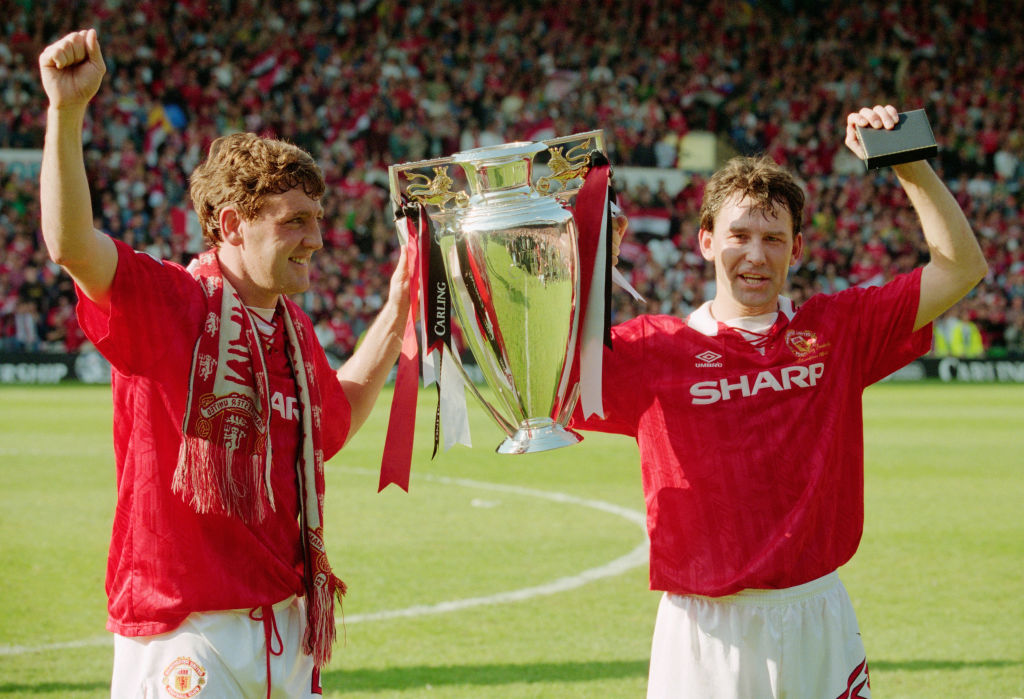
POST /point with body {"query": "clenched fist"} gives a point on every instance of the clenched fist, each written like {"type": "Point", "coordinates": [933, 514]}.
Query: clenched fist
{"type": "Point", "coordinates": [72, 69]}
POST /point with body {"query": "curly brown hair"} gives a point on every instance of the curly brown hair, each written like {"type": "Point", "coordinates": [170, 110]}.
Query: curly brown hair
{"type": "Point", "coordinates": [242, 169]}
{"type": "Point", "coordinates": [767, 184]}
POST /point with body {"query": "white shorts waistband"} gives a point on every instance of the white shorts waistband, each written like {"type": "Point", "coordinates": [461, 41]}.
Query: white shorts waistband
{"type": "Point", "coordinates": [276, 606]}
{"type": "Point", "coordinates": [786, 595]}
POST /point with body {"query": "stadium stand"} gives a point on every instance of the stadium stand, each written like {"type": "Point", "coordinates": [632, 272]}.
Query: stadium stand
{"type": "Point", "coordinates": [370, 83]}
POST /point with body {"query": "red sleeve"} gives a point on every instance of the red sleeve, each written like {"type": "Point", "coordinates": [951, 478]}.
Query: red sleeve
{"type": "Point", "coordinates": [622, 377]}
{"type": "Point", "coordinates": [155, 308]}
{"type": "Point", "coordinates": [884, 318]}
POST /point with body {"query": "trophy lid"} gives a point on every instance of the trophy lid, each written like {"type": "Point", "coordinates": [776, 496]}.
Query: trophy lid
{"type": "Point", "coordinates": [501, 171]}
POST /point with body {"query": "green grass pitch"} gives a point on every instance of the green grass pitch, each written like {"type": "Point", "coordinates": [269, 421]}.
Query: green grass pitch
{"type": "Point", "coordinates": [517, 576]}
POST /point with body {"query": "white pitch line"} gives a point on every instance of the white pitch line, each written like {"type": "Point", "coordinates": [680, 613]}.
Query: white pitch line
{"type": "Point", "coordinates": [633, 559]}
{"type": "Point", "coordinates": [107, 640]}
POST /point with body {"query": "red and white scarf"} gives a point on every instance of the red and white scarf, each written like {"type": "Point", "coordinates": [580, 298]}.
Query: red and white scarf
{"type": "Point", "coordinates": [226, 452]}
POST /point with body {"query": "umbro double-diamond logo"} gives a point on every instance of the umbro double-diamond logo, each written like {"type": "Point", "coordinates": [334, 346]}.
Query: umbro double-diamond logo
{"type": "Point", "coordinates": [708, 359]}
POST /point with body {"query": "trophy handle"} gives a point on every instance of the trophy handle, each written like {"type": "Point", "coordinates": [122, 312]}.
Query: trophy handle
{"type": "Point", "coordinates": [564, 168]}
{"type": "Point", "coordinates": [437, 191]}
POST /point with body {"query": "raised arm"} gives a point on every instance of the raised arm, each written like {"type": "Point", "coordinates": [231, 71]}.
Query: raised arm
{"type": "Point", "coordinates": [72, 70]}
{"type": "Point", "coordinates": [362, 377]}
{"type": "Point", "coordinates": [956, 262]}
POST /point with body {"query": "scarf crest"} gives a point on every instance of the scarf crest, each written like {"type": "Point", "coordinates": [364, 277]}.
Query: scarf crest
{"type": "Point", "coordinates": [226, 454]}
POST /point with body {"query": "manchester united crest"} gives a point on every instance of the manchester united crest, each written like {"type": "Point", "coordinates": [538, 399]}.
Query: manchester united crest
{"type": "Point", "coordinates": [184, 678]}
{"type": "Point", "coordinates": [802, 342]}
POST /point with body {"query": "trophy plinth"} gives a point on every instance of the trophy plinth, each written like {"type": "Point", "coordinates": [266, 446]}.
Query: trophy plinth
{"type": "Point", "coordinates": [538, 434]}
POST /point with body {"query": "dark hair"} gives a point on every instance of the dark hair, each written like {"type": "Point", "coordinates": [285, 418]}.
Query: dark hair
{"type": "Point", "coordinates": [762, 180]}
{"type": "Point", "coordinates": [242, 169]}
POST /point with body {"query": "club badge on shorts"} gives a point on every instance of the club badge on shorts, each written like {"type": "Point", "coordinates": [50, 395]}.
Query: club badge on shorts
{"type": "Point", "coordinates": [184, 678]}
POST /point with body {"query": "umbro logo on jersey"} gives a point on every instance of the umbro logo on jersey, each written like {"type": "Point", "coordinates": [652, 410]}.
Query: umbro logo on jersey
{"type": "Point", "coordinates": [708, 360]}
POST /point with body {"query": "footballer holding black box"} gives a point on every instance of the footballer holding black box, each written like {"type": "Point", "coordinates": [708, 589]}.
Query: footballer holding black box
{"type": "Point", "coordinates": [748, 418]}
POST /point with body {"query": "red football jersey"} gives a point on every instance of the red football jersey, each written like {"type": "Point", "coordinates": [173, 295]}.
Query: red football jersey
{"type": "Point", "coordinates": [165, 560]}
{"type": "Point", "coordinates": [753, 463]}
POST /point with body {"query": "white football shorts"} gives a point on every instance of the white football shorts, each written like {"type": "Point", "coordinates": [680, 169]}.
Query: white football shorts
{"type": "Point", "coordinates": [219, 655]}
{"type": "Point", "coordinates": [797, 643]}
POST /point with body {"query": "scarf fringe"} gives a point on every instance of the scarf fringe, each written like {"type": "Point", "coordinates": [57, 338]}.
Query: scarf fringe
{"type": "Point", "coordinates": [321, 630]}
{"type": "Point", "coordinates": [206, 480]}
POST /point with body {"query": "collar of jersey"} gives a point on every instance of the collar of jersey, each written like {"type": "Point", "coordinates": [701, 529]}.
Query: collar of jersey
{"type": "Point", "coordinates": [703, 322]}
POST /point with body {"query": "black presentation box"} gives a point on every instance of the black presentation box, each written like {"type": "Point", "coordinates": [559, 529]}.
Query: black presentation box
{"type": "Point", "coordinates": [911, 139]}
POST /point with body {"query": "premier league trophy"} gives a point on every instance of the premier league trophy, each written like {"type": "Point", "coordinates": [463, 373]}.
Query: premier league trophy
{"type": "Point", "coordinates": [509, 248]}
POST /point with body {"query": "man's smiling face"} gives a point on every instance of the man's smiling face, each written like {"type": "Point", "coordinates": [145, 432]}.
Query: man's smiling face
{"type": "Point", "coordinates": [276, 247]}
{"type": "Point", "coordinates": [753, 250]}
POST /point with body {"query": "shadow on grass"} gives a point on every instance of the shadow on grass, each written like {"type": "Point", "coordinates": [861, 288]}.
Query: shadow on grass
{"type": "Point", "coordinates": [919, 665]}
{"type": "Point", "coordinates": [481, 675]}
{"type": "Point", "coordinates": [59, 688]}
{"type": "Point", "coordinates": [499, 674]}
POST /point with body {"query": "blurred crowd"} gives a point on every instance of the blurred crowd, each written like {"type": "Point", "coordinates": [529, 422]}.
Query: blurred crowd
{"type": "Point", "coordinates": [366, 84]}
